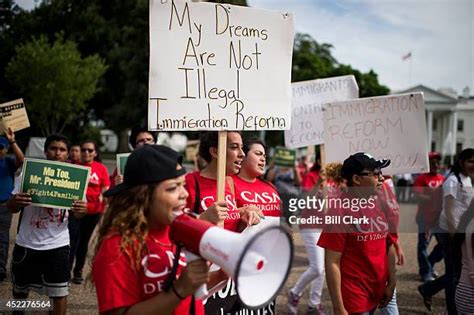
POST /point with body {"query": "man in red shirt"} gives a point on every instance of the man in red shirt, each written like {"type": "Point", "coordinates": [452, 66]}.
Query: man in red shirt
{"type": "Point", "coordinates": [425, 189]}
{"type": "Point", "coordinates": [359, 256]}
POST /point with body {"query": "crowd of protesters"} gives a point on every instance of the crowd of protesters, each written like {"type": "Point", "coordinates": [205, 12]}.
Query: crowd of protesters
{"type": "Point", "coordinates": [132, 213]}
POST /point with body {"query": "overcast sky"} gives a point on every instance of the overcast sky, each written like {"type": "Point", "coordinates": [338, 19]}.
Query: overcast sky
{"type": "Point", "coordinates": [375, 34]}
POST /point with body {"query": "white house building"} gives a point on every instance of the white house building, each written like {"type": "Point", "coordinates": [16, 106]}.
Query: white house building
{"type": "Point", "coordinates": [449, 119]}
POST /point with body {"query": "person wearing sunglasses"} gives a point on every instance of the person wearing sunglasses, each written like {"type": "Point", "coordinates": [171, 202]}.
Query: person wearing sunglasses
{"type": "Point", "coordinates": [359, 255]}
{"type": "Point", "coordinates": [81, 230]}
{"type": "Point", "coordinates": [8, 167]}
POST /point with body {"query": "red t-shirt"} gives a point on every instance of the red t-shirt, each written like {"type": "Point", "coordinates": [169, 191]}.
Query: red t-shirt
{"type": "Point", "coordinates": [309, 180]}
{"type": "Point", "coordinates": [259, 193]}
{"type": "Point", "coordinates": [207, 195]}
{"type": "Point", "coordinates": [302, 169]}
{"type": "Point", "coordinates": [364, 260]}
{"type": "Point", "coordinates": [392, 210]}
{"type": "Point", "coordinates": [98, 179]}
{"type": "Point", "coordinates": [427, 183]}
{"type": "Point", "coordinates": [118, 284]}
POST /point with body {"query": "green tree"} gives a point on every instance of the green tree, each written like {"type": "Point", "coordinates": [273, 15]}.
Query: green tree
{"type": "Point", "coordinates": [312, 60]}
{"type": "Point", "coordinates": [55, 81]}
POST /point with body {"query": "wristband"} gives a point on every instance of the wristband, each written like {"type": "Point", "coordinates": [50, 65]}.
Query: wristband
{"type": "Point", "coordinates": [176, 292]}
{"type": "Point", "coordinates": [12, 142]}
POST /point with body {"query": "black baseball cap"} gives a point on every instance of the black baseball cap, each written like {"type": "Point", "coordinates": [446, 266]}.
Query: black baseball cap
{"type": "Point", "coordinates": [149, 164]}
{"type": "Point", "coordinates": [357, 162]}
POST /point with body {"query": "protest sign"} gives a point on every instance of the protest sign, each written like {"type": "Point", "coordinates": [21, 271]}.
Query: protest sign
{"type": "Point", "coordinates": [13, 115]}
{"type": "Point", "coordinates": [284, 157]}
{"type": "Point", "coordinates": [219, 67]}
{"type": "Point", "coordinates": [54, 184]}
{"type": "Point", "coordinates": [121, 161]}
{"type": "Point", "coordinates": [392, 127]}
{"type": "Point", "coordinates": [306, 112]}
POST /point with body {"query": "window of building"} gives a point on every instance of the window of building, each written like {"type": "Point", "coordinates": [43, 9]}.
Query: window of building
{"type": "Point", "coordinates": [433, 146]}
{"type": "Point", "coordinates": [435, 124]}
{"type": "Point", "coordinates": [460, 125]}
{"type": "Point", "coordinates": [458, 147]}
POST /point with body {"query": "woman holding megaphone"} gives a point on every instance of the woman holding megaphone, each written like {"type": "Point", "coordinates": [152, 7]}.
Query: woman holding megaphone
{"type": "Point", "coordinates": [136, 269]}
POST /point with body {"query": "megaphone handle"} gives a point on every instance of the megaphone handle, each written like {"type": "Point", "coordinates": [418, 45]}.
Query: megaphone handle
{"type": "Point", "coordinates": [201, 292]}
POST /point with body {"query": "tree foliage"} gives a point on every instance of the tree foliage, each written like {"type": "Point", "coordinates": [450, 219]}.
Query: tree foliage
{"type": "Point", "coordinates": [312, 60]}
{"type": "Point", "coordinates": [117, 30]}
{"type": "Point", "coordinates": [55, 81]}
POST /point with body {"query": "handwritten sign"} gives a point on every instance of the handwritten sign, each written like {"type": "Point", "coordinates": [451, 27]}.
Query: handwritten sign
{"type": "Point", "coordinates": [219, 67]}
{"type": "Point", "coordinates": [121, 161]}
{"type": "Point", "coordinates": [13, 115]}
{"type": "Point", "coordinates": [306, 113]}
{"type": "Point", "coordinates": [392, 127]}
{"type": "Point", "coordinates": [284, 157]}
{"type": "Point", "coordinates": [54, 184]}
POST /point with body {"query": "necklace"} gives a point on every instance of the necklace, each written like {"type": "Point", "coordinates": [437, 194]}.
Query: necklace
{"type": "Point", "coordinates": [160, 243]}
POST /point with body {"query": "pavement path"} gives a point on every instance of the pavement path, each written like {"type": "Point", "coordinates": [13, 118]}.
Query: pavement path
{"type": "Point", "coordinates": [82, 299]}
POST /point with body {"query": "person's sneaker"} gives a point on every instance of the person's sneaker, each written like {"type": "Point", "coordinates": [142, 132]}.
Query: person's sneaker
{"type": "Point", "coordinates": [77, 279]}
{"type": "Point", "coordinates": [293, 300]}
{"type": "Point", "coordinates": [316, 310]}
{"type": "Point", "coordinates": [426, 298]}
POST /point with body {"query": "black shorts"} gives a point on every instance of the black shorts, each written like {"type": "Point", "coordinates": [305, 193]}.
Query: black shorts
{"type": "Point", "coordinates": [43, 271]}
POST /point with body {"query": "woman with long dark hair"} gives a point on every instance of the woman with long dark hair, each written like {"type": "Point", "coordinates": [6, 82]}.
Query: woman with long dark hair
{"type": "Point", "coordinates": [136, 268]}
{"type": "Point", "coordinates": [202, 184]}
{"type": "Point", "coordinates": [81, 229]}
{"type": "Point", "coordinates": [250, 189]}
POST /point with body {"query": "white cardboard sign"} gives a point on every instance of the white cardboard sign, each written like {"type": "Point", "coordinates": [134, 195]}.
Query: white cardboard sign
{"type": "Point", "coordinates": [13, 115]}
{"type": "Point", "coordinates": [392, 127]}
{"type": "Point", "coordinates": [306, 113]}
{"type": "Point", "coordinates": [219, 67]}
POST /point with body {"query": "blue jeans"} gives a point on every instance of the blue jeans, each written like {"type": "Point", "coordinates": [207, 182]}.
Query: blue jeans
{"type": "Point", "coordinates": [426, 261]}
{"type": "Point", "coordinates": [392, 307]}
{"type": "Point", "coordinates": [5, 223]}
{"type": "Point", "coordinates": [372, 312]}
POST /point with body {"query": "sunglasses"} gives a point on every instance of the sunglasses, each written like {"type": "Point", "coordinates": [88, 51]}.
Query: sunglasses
{"type": "Point", "coordinates": [145, 141]}
{"type": "Point", "coordinates": [87, 150]}
{"type": "Point", "coordinates": [376, 173]}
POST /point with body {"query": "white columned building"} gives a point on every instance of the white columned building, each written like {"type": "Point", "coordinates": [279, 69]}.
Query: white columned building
{"type": "Point", "coordinates": [449, 119]}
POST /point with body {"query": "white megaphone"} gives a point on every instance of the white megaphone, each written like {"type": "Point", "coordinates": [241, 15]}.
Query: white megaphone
{"type": "Point", "coordinates": [258, 262]}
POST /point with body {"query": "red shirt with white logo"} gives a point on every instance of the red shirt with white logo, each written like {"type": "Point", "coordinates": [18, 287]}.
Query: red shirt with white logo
{"type": "Point", "coordinates": [118, 284]}
{"type": "Point", "coordinates": [261, 194]}
{"type": "Point", "coordinates": [98, 179]}
{"type": "Point", "coordinates": [427, 183]}
{"type": "Point", "coordinates": [207, 196]}
{"type": "Point", "coordinates": [364, 260]}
